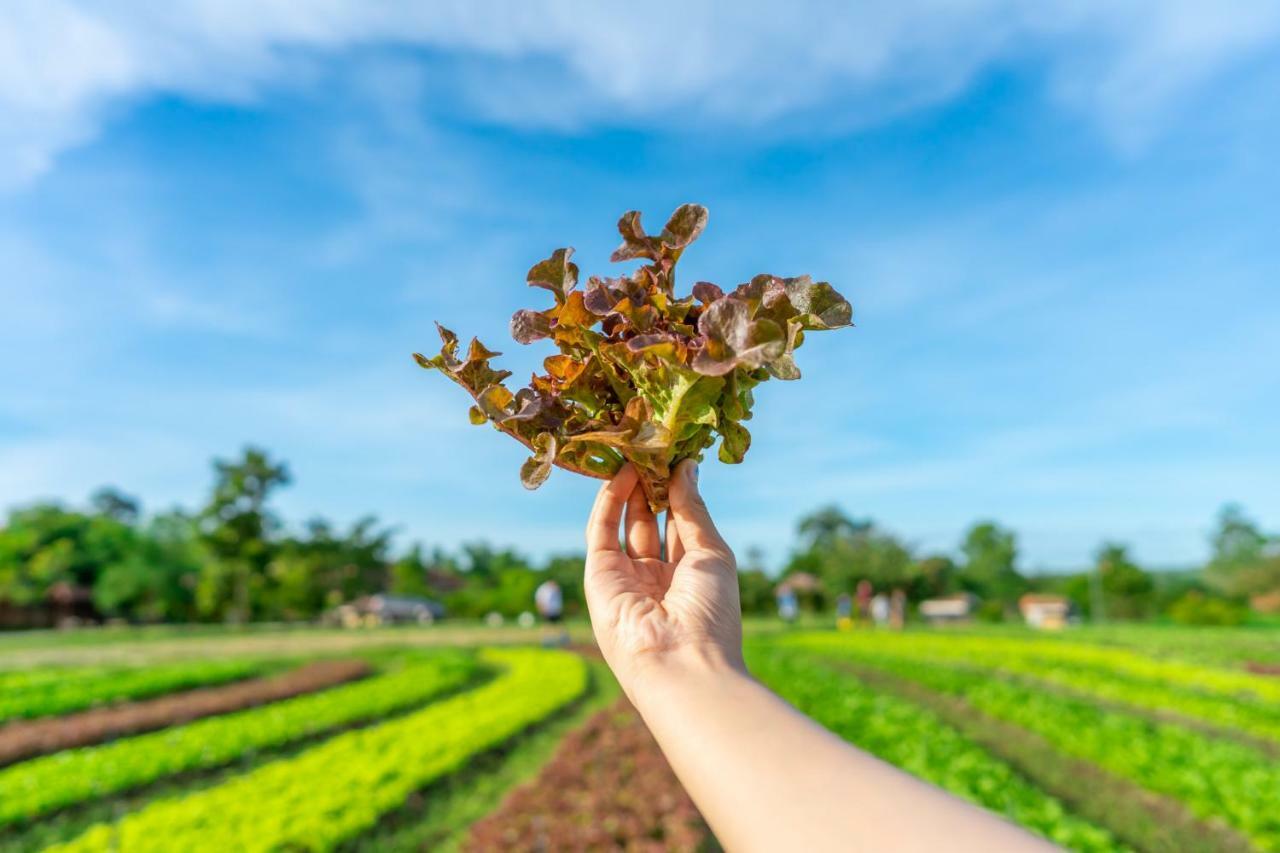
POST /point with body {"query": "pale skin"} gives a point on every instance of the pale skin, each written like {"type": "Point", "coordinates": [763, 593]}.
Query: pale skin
{"type": "Point", "coordinates": [765, 777]}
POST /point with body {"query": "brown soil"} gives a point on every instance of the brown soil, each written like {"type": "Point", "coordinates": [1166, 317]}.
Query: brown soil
{"type": "Point", "coordinates": [1259, 668]}
{"type": "Point", "coordinates": [27, 739]}
{"type": "Point", "coordinates": [1139, 817]}
{"type": "Point", "coordinates": [607, 788]}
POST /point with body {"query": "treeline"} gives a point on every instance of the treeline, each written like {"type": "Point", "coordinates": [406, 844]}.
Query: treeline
{"type": "Point", "coordinates": [838, 551]}
{"type": "Point", "coordinates": [234, 561]}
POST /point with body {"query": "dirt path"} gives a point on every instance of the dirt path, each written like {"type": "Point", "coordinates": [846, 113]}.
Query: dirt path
{"type": "Point", "coordinates": [608, 787]}
{"type": "Point", "coordinates": [29, 738]}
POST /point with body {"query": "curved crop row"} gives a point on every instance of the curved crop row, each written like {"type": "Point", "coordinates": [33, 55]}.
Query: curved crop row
{"type": "Point", "coordinates": [1036, 661]}
{"type": "Point", "coordinates": [916, 740]}
{"type": "Point", "coordinates": [1213, 778]}
{"type": "Point", "coordinates": [335, 790]}
{"type": "Point", "coordinates": [1111, 660]}
{"type": "Point", "coordinates": [27, 694]}
{"type": "Point", "coordinates": [37, 787]}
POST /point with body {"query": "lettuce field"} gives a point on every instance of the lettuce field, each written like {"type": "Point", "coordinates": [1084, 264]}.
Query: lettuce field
{"type": "Point", "coordinates": [457, 738]}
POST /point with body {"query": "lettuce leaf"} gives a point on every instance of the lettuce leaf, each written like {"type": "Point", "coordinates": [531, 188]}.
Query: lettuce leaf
{"type": "Point", "coordinates": [642, 375]}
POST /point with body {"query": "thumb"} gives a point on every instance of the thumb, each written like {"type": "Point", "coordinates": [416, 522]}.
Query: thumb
{"type": "Point", "coordinates": [689, 512]}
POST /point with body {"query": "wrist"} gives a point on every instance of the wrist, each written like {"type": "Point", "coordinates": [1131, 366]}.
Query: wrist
{"type": "Point", "coordinates": [660, 674]}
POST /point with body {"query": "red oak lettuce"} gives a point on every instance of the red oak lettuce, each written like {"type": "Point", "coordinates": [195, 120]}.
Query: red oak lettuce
{"type": "Point", "coordinates": [642, 375]}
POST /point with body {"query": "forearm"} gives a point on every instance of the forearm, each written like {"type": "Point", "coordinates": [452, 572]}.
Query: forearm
{"type": "Point", "coordinates": [768, 778]}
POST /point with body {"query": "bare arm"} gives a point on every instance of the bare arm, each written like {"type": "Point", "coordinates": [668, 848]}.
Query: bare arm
{"type": "Point", "coordinates": [765, 776]}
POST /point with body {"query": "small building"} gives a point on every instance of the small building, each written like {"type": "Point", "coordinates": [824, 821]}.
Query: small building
{"type": "Point", "coordinates": [949, 609]}
{"type": "Point", "coordinates": [1048, 612]}
{"type": "Point", "coordinates": [375, 610]}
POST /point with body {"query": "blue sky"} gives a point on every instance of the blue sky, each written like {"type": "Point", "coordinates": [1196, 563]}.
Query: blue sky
{"type": "Point", "coordinates": [231, 223]}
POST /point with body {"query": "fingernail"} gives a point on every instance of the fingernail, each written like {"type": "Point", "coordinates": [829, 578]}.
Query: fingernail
{"type": "Point", "coordinates": [693, 473]}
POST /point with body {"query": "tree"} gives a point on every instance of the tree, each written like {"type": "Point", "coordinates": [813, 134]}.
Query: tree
{"type": "Point", "coordinates": [409, 574]}
{"type": "Point", "coordinates": [828, 526]}
{"type": "Point", "coordinates": [755, 587]}
{"type": "Point", "coordinates": [841, 551]}
{"type": "Point", "coordinates": [238, 529]}
{"type": "Point", "coordinates": [112, 503]}
{"type": "Point", "coordinates": [935, 576]}
{"type": "Point", "coordinates": [990, 566]}
{"type": "Point", "coordinates": [325, 568]}
{"type": "Point", "coordinates": [1245, 560]}
{"type": "Point", "coordinates": [1128, 591]}
{"type": "Point", "coordinates": [156, 580]}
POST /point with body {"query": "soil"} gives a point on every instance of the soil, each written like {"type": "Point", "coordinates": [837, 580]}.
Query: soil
{"type": "Point", "coordinates": [608, 787]}
{"type": "Point", "coordinates": [28, 738]}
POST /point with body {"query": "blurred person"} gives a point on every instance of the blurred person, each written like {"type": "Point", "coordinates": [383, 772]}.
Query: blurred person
{"type": "Point", "coordinates": [865, 591]}
{"type": "Point", "coordinates": [844, 611]}
{"type": "Point", "coordinates": [548, 598]}
{"type": "Point", "coordinates": [669, 624]}
{"type": "Point", "coordinates": [788, 605]}
{"type": "Point", "coordinates": [880, 609]}
{"type": "Point", "coordinates": [898, 609]}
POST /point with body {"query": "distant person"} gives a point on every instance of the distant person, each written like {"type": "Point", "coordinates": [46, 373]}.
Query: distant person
{"type": "Point", "coordinates": [549, 600]}
{"type": "Point", "coordinates": [865, 592]}
{"type": "Point", "coordinates": [668, 621]}
{"type": "Point", "coordinates": [844, 611]}
{"type": "Point", "coordinates": [880, 609]}
{"type": "Point", "coordinates": [788, 606]}
{"type": "Point", "coordinates": [897, 609]}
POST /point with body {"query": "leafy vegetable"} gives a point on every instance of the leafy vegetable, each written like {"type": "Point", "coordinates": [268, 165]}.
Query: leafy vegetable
{"type": "Point", "coordinates": [642, 375]}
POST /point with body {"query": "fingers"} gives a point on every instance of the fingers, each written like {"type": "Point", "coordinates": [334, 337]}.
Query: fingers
{"type": "Point", "coordinates": [602, 526]}
{"type": "Point", "coordinates": [642, 528]}
{"type": "Point", "coordinates": [696, 530]}
{"type": "Point", "coordinates": [674, 549]}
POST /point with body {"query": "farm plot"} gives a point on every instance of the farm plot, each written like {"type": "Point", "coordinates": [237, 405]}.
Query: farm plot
{"type": "Point", "coordinates": [43, 785]}
{"type": "Point", "coordinates": [1095, 746]}
{"type": "Point", "coordinates": [332, 792]}
{"type": "Point", "coordinates": [27, 694]}
{"type": "Point", "coordinates": [1217, 779]}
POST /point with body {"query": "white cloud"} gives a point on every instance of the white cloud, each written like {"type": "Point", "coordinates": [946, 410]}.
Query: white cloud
{"type": "Point", "coordinates": [66, 65]}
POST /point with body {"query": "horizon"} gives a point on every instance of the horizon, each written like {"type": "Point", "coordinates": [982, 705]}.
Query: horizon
{"type": "Point", "coordinates": [1056, 227]}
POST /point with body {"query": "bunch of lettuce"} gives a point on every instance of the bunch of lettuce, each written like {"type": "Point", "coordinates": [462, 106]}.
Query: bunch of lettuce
{"type": "Point", "coordinates": [643, 375]}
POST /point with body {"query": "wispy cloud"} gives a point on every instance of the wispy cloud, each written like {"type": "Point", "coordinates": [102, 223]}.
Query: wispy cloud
{"type": "Point", "coordinates": [66, 67]}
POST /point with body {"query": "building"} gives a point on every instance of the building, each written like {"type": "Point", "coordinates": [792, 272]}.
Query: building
{"type": "Point", "coordinates": [949, 609]}
{"type": "Point", "coordinates": [1049, 612]}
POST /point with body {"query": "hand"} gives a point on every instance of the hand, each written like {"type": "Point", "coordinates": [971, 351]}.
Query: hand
{"type": "Point", "coordinates": [649, 612]}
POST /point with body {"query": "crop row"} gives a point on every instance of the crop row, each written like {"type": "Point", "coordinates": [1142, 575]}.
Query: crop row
{"type": "Point", "coordinates": [331, 792]}
{"type": "Point", "coordinates": [1213, 778]}
{"type": "Point", "coordinates": [1037, 661]}
{"type": "Point", "coordinates": [1112, 660]}
{"type": "Point", "coordinates": [26, 694]}
{"type": "Point", "coordinates": [42, 785]}
{"type": "Point", "coordinates": [916, 740]}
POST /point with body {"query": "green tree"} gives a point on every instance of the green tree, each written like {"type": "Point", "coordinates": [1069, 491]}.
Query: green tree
{"type": "Point", "coordinates": [990, 564]}
{"type": "Point", "coordinates": [238, 529]}
{"type": "Point", "coordinates": [156, 579]}
{"type": "Point", "coordinates": [755, 587]}
{"type": "Point", "coordinates": [325, 568]}
{"type": "Point", "coordinates": [409, 574]}
{"type": "Point", "coordinates": [1245, 560]}
{"type": "Point", "coordinates": [1128, 592]}
{"type": "Point", "coordinates": [935, 575]}
{"type": "Point", "coordinates": [567, 570]}
{"type": "Point", "coordinates": [841, 551]}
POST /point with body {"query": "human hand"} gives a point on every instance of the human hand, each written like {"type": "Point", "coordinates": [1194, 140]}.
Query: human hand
{"type": "Point", "coordinates": [652, 610]}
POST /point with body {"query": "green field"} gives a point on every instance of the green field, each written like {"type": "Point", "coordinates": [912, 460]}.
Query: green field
{"type": "Point", "coordinates": [1098, 739]}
